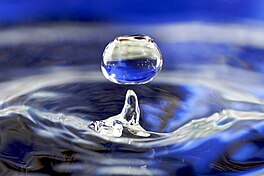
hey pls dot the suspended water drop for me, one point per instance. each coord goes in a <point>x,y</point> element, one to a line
<point>133,59</point>
<point>128,118</point>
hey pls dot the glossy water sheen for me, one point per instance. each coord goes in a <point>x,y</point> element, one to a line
<point>207,120</point>
<point>128,119</point>
<point>133,59</point>
<point>136,70</point>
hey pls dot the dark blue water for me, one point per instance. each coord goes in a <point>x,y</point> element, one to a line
<point>207,128</point>
<point>132,70</point>
<point>204,112</point>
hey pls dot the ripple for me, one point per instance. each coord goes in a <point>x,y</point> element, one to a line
<point>44,122</point>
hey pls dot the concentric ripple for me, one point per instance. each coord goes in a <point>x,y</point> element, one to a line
<point>198,125</point>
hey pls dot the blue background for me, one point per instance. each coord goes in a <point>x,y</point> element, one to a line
<point>131,11</point>
<point>14,13</point>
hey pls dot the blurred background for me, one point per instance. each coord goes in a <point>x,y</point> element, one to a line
<point>70,33</point>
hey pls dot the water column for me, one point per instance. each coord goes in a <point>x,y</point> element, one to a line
<point>134,59</point>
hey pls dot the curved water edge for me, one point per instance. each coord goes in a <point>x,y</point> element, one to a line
<point>189,115</point>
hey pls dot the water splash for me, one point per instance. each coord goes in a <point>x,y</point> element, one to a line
<point>204,125</point>
<point>128,118</point>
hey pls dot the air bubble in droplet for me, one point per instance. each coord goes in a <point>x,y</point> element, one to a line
<point>133,59</point>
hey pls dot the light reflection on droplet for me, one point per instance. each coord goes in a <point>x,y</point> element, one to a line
<point>133,59</point>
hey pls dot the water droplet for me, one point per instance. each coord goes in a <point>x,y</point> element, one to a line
<point>128,118</point>
<point>133,59</point>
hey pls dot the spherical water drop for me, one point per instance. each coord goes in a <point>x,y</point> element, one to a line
<point>133,59</point>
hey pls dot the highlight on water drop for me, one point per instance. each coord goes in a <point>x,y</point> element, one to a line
<point>131,59</point>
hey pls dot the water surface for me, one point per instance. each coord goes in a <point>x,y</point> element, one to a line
<point>199,125</point>
<point>204,112</point>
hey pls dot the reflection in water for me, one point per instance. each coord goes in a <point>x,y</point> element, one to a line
<point>198,125</point>
<point>202,119</point>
